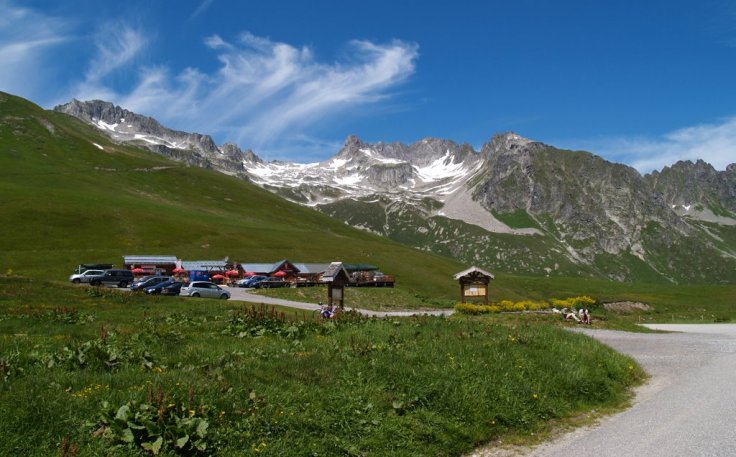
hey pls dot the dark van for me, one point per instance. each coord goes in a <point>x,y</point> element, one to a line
<point>112,277</point>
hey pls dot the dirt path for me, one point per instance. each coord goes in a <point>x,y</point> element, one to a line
<point>244,295</point>
<point>688,408</point>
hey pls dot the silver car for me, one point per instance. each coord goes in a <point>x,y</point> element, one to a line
<point>78,278</point>
<point>205,289</point>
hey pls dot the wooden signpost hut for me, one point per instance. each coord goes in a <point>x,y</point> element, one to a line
<point>336,278</point>
<point>474,283</point>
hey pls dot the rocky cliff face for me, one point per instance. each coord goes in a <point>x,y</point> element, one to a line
<point>591,204</point>
<point>697,188</point>
<point>127,127</point>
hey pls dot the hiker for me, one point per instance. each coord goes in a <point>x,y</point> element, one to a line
<point>570,315</point>
<point>326,311</point>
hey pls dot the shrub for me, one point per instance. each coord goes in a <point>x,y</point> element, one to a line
<point>155,426</point>
<point>502,306</point>
<point>583,301</point>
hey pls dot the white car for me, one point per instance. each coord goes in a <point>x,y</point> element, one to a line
<point>204,289</point>
<point>77,278</point>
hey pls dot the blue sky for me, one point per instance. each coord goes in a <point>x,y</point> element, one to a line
<point>645,83</point>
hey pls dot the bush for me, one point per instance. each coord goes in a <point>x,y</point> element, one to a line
<point>502,306</point>
<point>155,426</point>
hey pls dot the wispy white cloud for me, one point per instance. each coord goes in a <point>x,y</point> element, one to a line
<point>117,46</point>
<point>265,95</point>
<point>26,38</point>
<point>201,9</point>
<point>714,143</point>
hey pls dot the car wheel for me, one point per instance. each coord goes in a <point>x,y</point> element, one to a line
<point>76,281</point>
<point>94,283</point>
<point>123,284</point>
<point>195,295</point>
<point>224,296</point>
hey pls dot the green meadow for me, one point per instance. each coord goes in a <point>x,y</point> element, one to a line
<point>87,371</point>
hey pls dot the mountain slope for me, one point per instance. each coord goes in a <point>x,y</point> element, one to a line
<point>72,195</point>
<point>517,205</point>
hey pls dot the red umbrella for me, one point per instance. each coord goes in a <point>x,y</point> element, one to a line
<point>248,274</point>
<point>218,276</point>
<point>178,270</point>
<point>232,273</point>
<point>280,274</point>
<point>137,271</point>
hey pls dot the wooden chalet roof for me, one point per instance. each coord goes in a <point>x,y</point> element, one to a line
<point>149,259</point>
<point>472,270</point>
<point>334,271</point>
<point>360,267</point>
<point>204,265</point>
<point>268,267</point>
<point>312,268</point>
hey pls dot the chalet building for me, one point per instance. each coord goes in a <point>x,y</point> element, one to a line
<point>203,270</point>
<point>289,269</point>
<point>151,264</point>
<point>310,273</point>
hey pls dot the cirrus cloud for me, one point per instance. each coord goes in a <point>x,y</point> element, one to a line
<point>714,143</point>
<point>264,95</point>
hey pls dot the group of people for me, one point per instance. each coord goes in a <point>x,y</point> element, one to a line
<point>582,316</point>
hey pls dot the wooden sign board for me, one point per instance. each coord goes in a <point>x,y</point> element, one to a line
<point>475,291</point>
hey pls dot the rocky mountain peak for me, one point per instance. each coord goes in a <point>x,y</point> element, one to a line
<point>251,157</point>
<point>507,141</point>
<point>686,183</point>
<point>126,126</point>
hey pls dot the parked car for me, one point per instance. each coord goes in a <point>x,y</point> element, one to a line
<point>250,282</point>
<point>78,278</point>
<point>158,287</point>
<point>272,282</point>
<point>148,281</point>
<point>205,289</point>
<point>82,267</point>
<point>172,289</point>
<point>112,277</point>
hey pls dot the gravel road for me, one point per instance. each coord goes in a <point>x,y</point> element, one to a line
<point>688,407</point>
<point>244,295</point>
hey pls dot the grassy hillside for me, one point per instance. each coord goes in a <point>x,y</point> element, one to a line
<point>187,374</point>
<point>66,201</point>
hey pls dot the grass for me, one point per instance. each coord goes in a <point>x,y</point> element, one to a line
<point>375,298</point>
<point>73,356</point>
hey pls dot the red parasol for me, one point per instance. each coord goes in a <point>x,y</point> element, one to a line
<point>248,274</point>
<point>232,273</point>
<point>137,271</point>
<point>178,270</point>
<point>218,276</point>
<point>280,274</point>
